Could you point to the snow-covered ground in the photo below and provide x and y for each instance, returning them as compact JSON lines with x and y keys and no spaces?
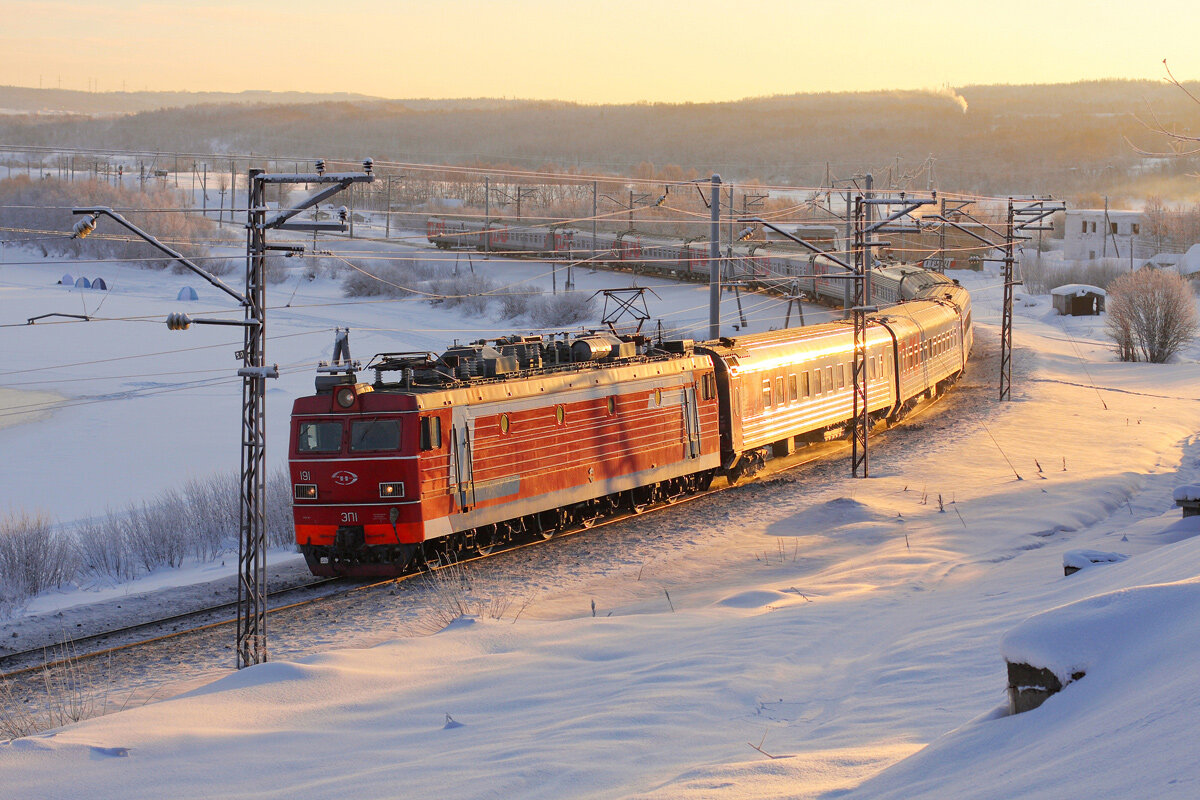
{"x":852,"y":629}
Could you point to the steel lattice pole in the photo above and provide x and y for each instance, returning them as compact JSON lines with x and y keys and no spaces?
{"x":252,"y":612}
{"x":859,"y":310}
{"x":1007,"y":319}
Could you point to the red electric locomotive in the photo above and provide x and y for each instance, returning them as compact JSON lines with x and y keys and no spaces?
{"x":462,"y":452}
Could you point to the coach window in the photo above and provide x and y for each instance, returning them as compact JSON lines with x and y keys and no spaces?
{"x":841,"y":376}
{"x":780,"y":397}
{"x":431,"y":433}
{"x":793,"y":388}
{"x":766,"y":392}
{"x":829,"y":379}
{"x":871,"y":368}
{"x":804,"y":383}
{"x":816,"y":381}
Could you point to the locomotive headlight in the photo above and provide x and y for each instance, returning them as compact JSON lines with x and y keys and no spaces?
{"x":306,"y":491}
{"x":387,"y":490}
{"x":345,"y":397}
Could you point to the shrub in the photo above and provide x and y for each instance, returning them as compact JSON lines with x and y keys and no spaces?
{"x":1151,"y":315}
{"x":515,"y":301}
{"x":31,"y":207}
{"x":559,"y":310}
{"x":34,"y":557}
{"x":383,"y":278}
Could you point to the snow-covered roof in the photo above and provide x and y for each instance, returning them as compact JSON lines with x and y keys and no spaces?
{"x":1191,"y":261}
{"x":1077,"y":290}
{"x":1187,"y":493}
{"x":1165,"y":259}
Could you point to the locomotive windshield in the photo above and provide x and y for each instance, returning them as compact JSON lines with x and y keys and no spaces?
{"x":375,"y":434}
{"x":320,"y":437}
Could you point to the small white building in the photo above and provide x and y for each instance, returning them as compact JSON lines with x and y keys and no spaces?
{"x":1094,"y":233}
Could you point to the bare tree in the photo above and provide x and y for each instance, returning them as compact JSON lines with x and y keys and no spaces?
{"x":1151,"y":315}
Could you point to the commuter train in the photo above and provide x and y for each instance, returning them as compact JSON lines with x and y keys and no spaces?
{"x":439,"y":456}
{"x":767,"y":264}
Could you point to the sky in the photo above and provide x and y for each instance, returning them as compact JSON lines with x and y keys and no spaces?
{"x":587,"y":51}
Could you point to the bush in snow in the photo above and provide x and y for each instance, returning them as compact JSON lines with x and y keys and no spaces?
{"x":468,"y":293}
{"x":199,"y":521}
{"x":562,"y":309}
{"x":397,"y":278}
{"x":1151,"y":315}
{"x":29,"y":207}
{"x":34,"y":557}
{"x":515,"y":300}
{"x":1042,"y":275}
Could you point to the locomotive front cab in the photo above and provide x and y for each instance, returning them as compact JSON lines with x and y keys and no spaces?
{"x":356,"y":499}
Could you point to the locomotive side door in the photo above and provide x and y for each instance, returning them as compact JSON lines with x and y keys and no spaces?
{"x":462,"y":473}
{"x":691,"y":421}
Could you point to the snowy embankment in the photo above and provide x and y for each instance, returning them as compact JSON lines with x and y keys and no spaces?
{"x":852,"y":629}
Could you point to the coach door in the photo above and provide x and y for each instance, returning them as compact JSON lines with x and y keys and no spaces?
{"x":691,"y":421}
{"x":462,"y":473}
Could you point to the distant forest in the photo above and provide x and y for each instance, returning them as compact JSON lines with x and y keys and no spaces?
{"x":1070,"y":140}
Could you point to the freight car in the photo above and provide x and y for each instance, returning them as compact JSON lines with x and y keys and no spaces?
{"x":463,"y":452}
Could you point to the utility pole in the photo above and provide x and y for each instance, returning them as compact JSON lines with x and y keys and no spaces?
{"x":387,"y":208}
{"x":251,"y":624}
{"x":714,"y":258}
{"x":862,"y":257}
{"x":1006,"y":319}
{"x":487,"y":214}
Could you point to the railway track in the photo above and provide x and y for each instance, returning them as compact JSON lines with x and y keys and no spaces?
{"x":74,"y":650}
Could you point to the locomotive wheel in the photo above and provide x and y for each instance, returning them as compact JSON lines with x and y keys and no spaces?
{"x":549,"y":522}
{"x":487,"y":539}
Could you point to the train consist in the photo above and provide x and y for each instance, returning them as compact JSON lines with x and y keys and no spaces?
{"x":757,"y":263}
{"x":439,"y":456}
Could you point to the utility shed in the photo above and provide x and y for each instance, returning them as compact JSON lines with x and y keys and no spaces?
{"x":1078,"y":300}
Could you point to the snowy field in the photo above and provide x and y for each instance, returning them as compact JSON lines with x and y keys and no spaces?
{"x":810,"y":636}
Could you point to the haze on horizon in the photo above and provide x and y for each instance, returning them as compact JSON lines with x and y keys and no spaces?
{"x":617,"y":51}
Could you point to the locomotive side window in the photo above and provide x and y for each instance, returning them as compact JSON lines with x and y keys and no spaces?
{"x":431,"y":433}
{"x":612,"y":406}
{"x":560,"y":414}
{"x":320,"y":437}
{"x":504,"y":422}
{"x":709,"y":386}
{"x":375,"y":434}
